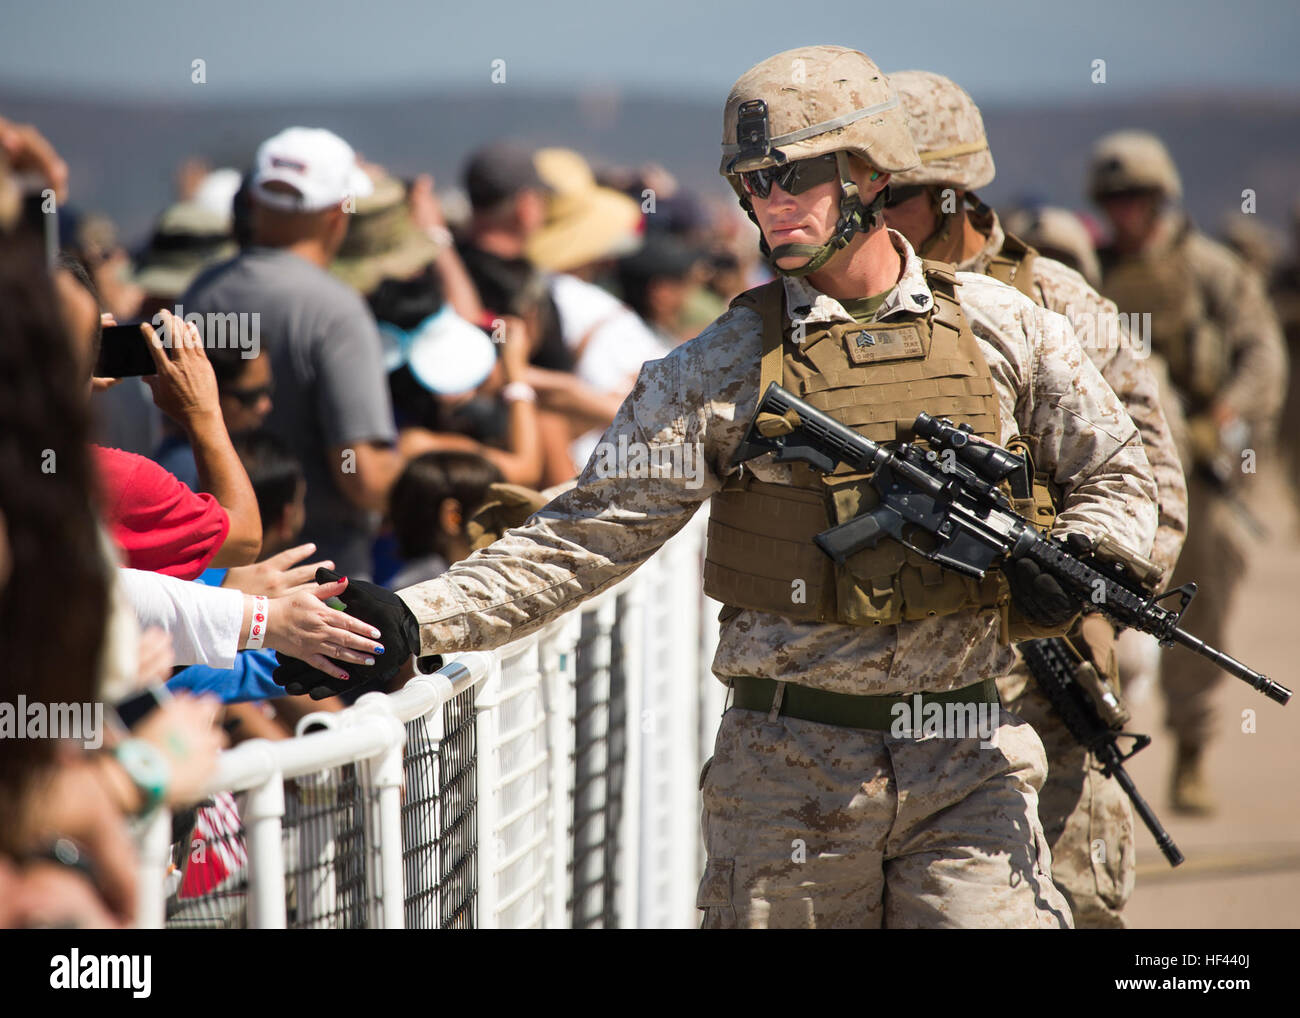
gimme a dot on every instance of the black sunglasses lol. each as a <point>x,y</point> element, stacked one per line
<point>248,398</point>
<point>794,178</point>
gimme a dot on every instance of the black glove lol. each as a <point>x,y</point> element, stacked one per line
<point>398,632</point>
<point>1037,595</point>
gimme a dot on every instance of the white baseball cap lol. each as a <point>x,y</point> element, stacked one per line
<point>316,163</point>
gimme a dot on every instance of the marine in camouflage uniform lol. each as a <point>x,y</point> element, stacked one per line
<point>816,813</point>
<point>1059,234</point>
<point>1284,290</point>
<point>1212,324</point>
<point>1087,816</point>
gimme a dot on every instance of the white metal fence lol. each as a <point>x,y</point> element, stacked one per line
<point>551,783</point>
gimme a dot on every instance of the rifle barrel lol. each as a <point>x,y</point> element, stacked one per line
<point>1273,690</point>
<point>1143,810</point>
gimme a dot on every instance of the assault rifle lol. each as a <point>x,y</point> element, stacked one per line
<point>950,492</point>
<point>1096,726</point>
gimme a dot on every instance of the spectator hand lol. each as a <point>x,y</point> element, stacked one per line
<point>47,894</point>
<point>156,656</point>
<point>515,350</point>
<point>400,637</point>
<point>426,208</point>
<point>301,626</point>
<point>277,576</point>
<point>74,805</point>
<point>185,731</point>
<point>100,384</point>
<point>185,387</point>
<point>25,148</point>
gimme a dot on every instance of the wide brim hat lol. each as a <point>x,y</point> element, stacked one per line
<point>446,354</point>
<point>585,222</point>
<point>382,241</point>
<point>188,238</point>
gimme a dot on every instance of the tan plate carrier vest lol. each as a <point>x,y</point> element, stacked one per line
<point>1181,330</point>
<point>874,378</point>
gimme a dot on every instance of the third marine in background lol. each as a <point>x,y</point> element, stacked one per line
<point>1211,323</point>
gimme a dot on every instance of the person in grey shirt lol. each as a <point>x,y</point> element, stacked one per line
<point>331,395</point>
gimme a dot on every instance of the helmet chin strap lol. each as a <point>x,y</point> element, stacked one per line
<point>948,222</point>
<point>854,217</point>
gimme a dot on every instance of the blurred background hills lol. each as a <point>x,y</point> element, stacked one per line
<point>123,153</point>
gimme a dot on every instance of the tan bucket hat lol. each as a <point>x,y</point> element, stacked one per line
<point>382,241</point>
<point>188,238</point>
<point>584,221</point>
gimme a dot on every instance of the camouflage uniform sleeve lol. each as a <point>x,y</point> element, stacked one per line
<point>649,473</point>
<point>1085,440</point>
<point>1128,371</point>
<point>1171,479</point>
<point>1257,354</point>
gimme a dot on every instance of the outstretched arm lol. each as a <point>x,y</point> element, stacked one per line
<point>649,474</point>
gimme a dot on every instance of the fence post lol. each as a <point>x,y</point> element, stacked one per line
<point>631,645</point>
<point>385,779</point>
<point>556,657</point>
<point>263,815</point>
<point>486,796</point>
<point>155,842</point>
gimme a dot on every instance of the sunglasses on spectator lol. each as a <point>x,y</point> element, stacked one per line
<point>794,178</point>
<point>249,398</point>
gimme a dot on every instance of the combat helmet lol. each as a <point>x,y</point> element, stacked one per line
<point>1132,161</point>
<point>948,131</point>
<point>950,141</point>
<point>807,102</point>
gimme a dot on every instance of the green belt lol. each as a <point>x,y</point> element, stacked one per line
<point>844,709</point>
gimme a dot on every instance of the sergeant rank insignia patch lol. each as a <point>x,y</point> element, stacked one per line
<point>883,342</point>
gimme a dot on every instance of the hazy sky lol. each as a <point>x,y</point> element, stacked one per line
<point>1001,50</point>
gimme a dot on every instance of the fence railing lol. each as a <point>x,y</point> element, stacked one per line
<point>551,783</point>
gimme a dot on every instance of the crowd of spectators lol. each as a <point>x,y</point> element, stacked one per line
<point>350,370</point>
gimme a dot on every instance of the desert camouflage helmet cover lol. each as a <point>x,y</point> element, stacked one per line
<point>1132,161</point>
<point>819,99</point>
<point>1057,233</point>
<point>948,131</point>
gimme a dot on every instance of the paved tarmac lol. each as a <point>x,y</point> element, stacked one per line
<point>1242,866</point>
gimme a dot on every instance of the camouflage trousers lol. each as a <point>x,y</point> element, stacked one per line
<point>1086,816</point>
<point>813,825</point>
<point>1215,557</point>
